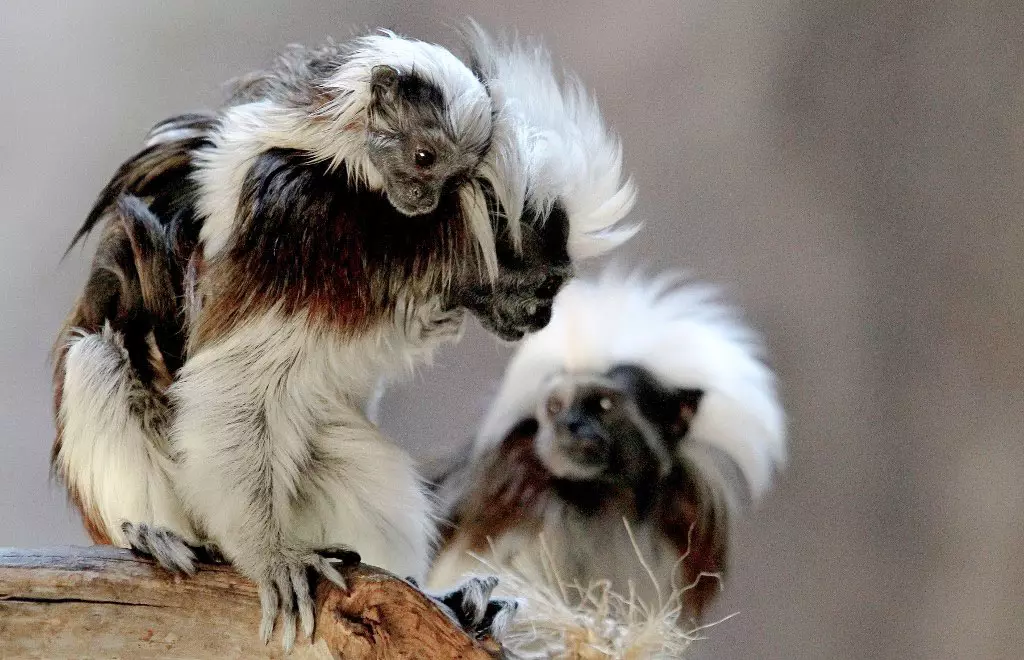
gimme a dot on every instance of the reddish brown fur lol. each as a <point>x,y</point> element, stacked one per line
<point>510,492</point>
<point>307,243</point>
<point>699,534</point>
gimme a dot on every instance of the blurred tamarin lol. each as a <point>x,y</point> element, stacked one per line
<point>643,399</point>
<point>260,270</point>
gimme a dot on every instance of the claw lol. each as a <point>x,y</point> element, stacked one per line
<point>346,556</point>
<point>300,583</point>
<point>324,567</point>
<point>268,609</point>
<point>169,549</point>
<point>286,589</point>
<point>471,605</point>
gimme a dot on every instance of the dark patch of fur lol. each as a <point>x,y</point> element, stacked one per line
<point>113,293</point>
<point>520,299</point>
<point>160,271</point>
<point>670,409</point>
<point>310,243</point>
<point>508,491</point>
<point>690,515</point>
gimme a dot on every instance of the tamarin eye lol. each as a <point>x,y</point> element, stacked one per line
<point>606,403</point>
<point>424,157</point>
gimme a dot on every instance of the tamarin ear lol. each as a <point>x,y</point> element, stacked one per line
<point>383,82</point>
<point>685,403</point>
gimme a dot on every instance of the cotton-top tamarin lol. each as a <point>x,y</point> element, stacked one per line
<point>644,400</point>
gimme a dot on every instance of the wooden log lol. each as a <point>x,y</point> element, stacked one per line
<point>103,602</point>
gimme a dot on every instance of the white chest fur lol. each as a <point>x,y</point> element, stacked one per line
<point>273,443</point>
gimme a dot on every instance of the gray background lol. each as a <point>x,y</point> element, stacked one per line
<point>850,171</point>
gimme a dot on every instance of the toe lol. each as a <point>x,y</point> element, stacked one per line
<point>268,609</point>
<point>133,536</point>
<point>474,595</point>
<point>324,567</point>
<point>300,584</point>
<point>500,615</point>
<point>282,581</point>
<point>172,552</point>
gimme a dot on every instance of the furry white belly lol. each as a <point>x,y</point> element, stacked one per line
<point>297,396</point>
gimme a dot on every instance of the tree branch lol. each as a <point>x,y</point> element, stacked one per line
<point>106,602</point>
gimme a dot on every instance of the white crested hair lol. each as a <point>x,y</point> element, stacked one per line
<point>684,336</point>
<point>551,145</point>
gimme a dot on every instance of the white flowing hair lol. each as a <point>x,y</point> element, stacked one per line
<point>551,145</point>
<point>684,336</point>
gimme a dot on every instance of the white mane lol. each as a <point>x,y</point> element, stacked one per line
<point>552,145</point>
<point>677,331</point>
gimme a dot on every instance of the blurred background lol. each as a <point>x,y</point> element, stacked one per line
<point>851,172</point>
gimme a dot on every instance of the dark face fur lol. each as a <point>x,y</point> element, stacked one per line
<point>620,427</point>
<point>520,299</point>
<point>410,144</point>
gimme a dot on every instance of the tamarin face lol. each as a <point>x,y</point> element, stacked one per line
<point>619,427</point>
<point>411,143</point>
<point>519,300</point>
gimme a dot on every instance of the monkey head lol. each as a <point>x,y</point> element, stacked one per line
<point>412,140</point>
<point>621,427</point>
<point>519,300</point>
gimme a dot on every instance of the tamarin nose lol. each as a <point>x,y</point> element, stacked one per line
<point>586,442</point>
<point>576,423</point>
<point>576,426</point>
<point>416,192</point>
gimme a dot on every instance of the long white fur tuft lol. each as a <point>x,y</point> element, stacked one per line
<point>551,145</point>
<point>684,336</point>
<point>111,455</point>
